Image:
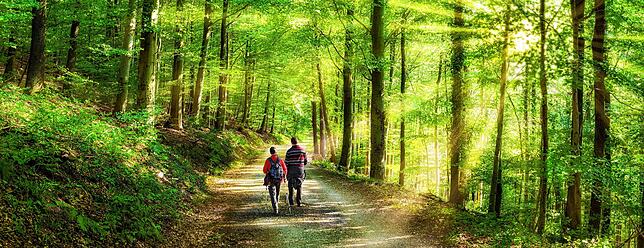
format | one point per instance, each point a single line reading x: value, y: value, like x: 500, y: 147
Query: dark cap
x: 272, y: 150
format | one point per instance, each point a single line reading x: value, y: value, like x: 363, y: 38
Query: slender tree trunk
x: 36, y: 64
x: 543, y: 84
x: 458, y: 94
x: 73, y: 45
x: 573, y: 199
x: 207, y: 32
x: 602, y: 123
x: 11, y: 58
x: 436, y: 160
x: 378, y: 116
x: 223, y: 66
x: 403, y: 80
x: 323, y: 137
x: 314, y: 122
x: 325, y: 116
x: 147, y: 55
x: 126, y: 58
x: 496, y: 196
x: 176, y: 115
x: 247, y: 72
x: 264, y: 126
x: 347, y: 99
x: 273, y: 118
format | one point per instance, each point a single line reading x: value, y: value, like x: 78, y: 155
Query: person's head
x: 294, y: 141
x: 272, y: 150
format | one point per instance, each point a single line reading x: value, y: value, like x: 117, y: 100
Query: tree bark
x: 223, y: 66
x: 496, y: 196
x: 203, y: 57
x: 247, y: 90
x: 264, y: 126
x: 543, y: 181
x: 347, y: 99
x: 126, y: 58
x: 314, y: 122
x: 36, y: 64
x: 73, y: 45
x: 176, y: 113
x: 147, y: 56
x: 378, y: 116
x: 600, y: 201
x: 323, y: 137
x: 573, y: 199
x: 325, y: 115
x: 403, y: 81
x: 436, y: 160
x: 458, y: 94
x: 273, y: 119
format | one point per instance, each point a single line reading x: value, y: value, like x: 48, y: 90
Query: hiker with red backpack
x: 275, y: 173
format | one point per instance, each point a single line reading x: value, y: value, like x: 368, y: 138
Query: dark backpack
x: 275, y: 173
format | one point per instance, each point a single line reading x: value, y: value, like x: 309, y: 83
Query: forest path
x: 333, y: 215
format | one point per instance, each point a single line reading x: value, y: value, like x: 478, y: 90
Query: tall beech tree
x: 36, y: 64
x: 600, y: 197
x: 457, y: 134
x: 203, y: 57
x: 403, y: 80
x: 176, y: 109
x: 543, y: 117
x: 147, y: 55
x: 573, y: 200
x: 347, y: 96
x: 377, y: 155
x: 496, y: 187
x: 223, y: 66
x: 129, y: 24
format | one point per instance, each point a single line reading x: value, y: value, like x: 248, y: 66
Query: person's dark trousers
x: 274, y: 192
x: 295, y: 184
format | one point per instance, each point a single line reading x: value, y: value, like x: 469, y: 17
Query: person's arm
x: 267, y: 166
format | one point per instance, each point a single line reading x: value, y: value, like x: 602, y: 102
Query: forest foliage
x: 530, y: 110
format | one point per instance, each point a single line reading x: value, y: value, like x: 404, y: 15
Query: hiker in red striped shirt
x: 295, y: 160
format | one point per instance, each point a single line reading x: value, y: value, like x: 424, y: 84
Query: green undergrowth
x: 73, y: 175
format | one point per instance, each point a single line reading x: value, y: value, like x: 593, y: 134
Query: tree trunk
x: 436, y: 160
x: 223, y: 66
x: 496, y: 186
x: 73, y: 45
x: 378, y: 116
x: 273, y: 118
x: 314, y: 122
x: 347, y: 99
x: 600, y: 202
x: 147, y: 55
x: 11, y: 58
x: 176, y: 115
x: 573, y: 199
x: 264, y: 126
x: 126, y: 59
x: 403, y: 80
x: 543, y: 182
x: 323, y: 137
x: 247, y: 72
x: 323, y: 109
x: 203, y: 55
x: 640, y: 237
x: 458, y: 94
x: 36, y: 64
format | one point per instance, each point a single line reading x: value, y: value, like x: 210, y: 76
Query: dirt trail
x: 334, y: 215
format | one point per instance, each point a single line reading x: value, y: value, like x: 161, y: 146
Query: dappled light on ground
x: 333, y: 215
